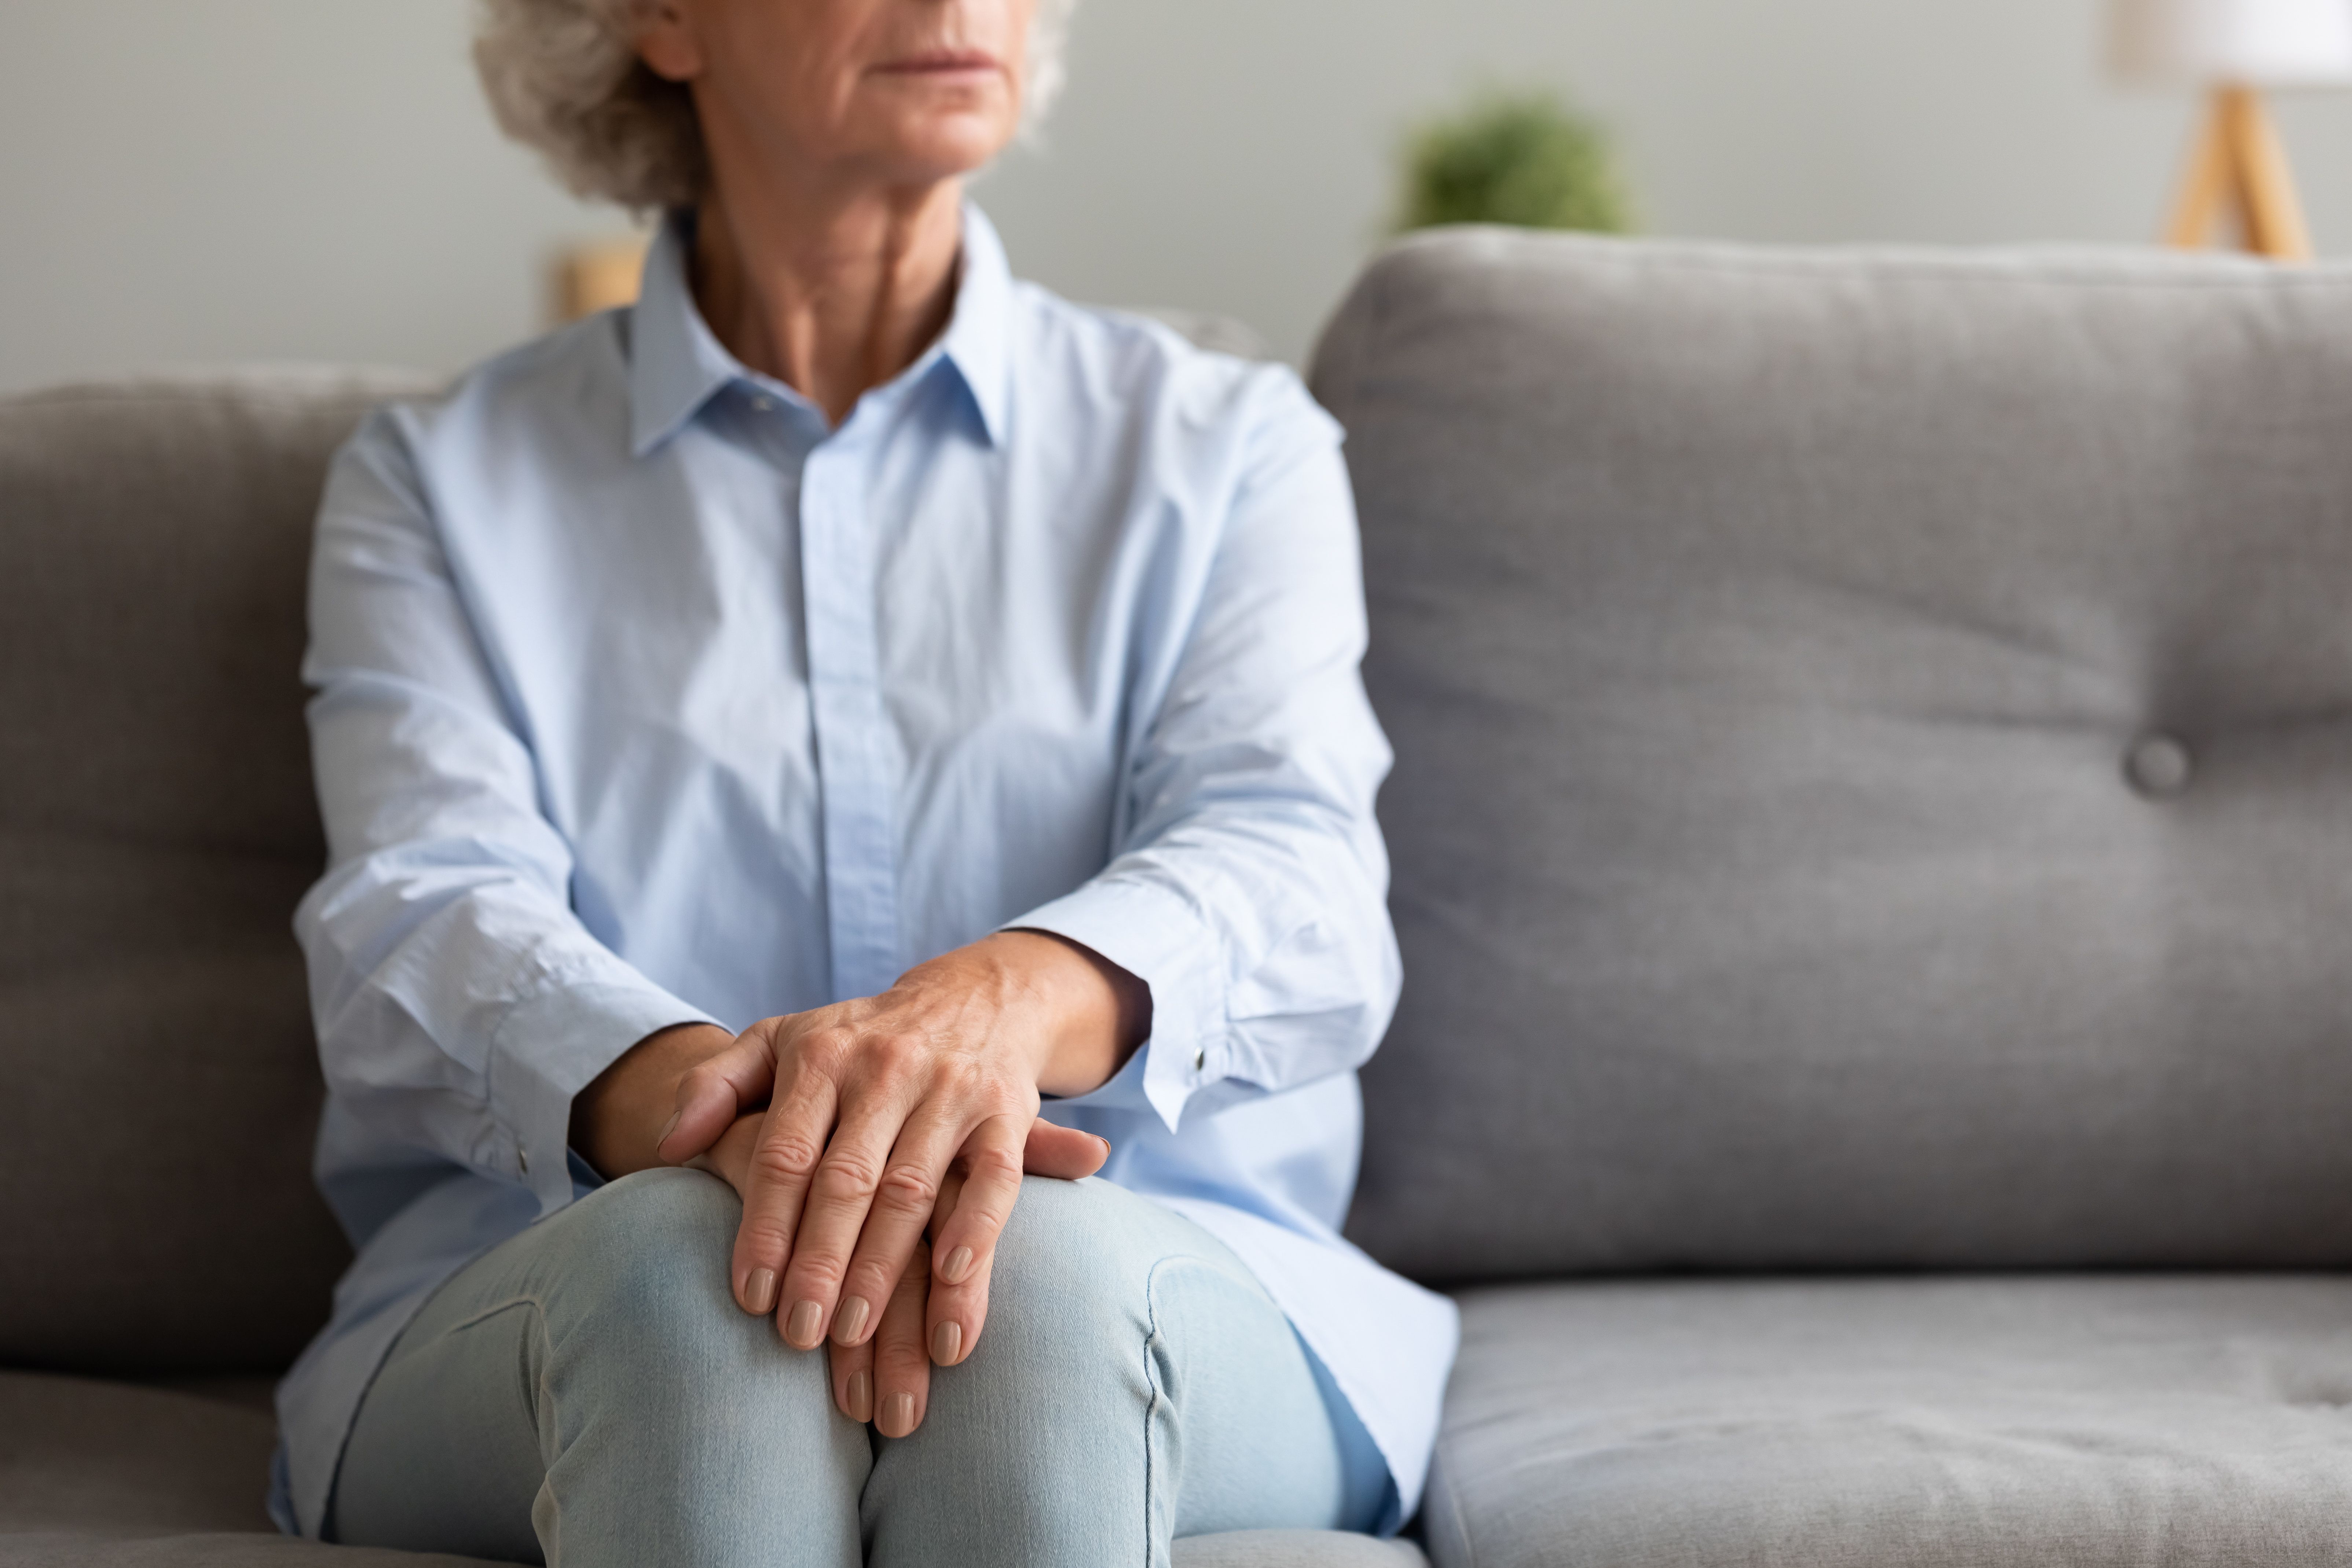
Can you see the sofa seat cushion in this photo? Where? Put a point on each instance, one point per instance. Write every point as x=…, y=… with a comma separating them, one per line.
x=114, y=1475
x=1295, y=1549
x=242, y=1549
x=79, y=1454
x=1240, y=1549
x=2097, y=1421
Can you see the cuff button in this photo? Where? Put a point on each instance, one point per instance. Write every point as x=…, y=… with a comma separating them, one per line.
x=1201, y=1059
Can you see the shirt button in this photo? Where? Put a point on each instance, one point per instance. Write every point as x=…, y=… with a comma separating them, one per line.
x=2159, y=767
x=765, y=404
x=522, y=1158
x=1200, y=1059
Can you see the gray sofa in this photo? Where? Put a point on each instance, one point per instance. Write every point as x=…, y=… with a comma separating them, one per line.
x=1872, y=831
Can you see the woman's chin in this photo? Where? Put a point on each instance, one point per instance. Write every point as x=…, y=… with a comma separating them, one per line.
x=944, y=148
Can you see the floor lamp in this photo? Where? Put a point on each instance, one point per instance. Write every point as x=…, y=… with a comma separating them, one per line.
x=2235, y=49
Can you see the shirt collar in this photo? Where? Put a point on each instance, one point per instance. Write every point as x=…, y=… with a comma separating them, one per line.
x=979, y=339
x=678, y=364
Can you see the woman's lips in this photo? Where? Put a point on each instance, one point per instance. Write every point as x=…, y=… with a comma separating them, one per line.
x=943, y=62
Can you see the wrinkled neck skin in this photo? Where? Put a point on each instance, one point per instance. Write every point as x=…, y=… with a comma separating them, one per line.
x=831, y=286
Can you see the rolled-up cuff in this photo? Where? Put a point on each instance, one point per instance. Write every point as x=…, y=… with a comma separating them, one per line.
x=546, y=1050
x=1155, y=936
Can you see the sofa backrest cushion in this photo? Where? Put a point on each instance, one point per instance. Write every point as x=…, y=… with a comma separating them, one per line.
x=158, y=1084
x=1874, y=756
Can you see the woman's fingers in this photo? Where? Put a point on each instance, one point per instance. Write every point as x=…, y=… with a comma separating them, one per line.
x=902, y=1372
x=963, y=1247
x=865, y=1211
x=853, y=1380
x=783, y=1164
x=1063, y=1152
x=858, y=1234
x=974, y=1200
x=729, y=1159
x=713, y=1094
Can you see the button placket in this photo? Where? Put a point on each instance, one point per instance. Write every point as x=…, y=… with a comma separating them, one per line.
x=854, y=763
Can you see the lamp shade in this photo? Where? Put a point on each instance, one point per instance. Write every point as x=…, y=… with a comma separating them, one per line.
x=2256, y=43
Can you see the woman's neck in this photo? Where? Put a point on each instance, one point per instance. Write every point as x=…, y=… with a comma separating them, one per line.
x=832, y=294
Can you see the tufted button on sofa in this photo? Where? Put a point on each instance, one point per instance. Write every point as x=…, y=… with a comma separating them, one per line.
x=1873, y=854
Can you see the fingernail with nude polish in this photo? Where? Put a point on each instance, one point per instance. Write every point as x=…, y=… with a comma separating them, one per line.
x=861, y=1397
x=759, y=1292
x=1105, y=1143
x=946, y=1340
x=898, y=1415
x=802, y=1328
x=667, y=1128
x=850, y=1321
x=958, y=1267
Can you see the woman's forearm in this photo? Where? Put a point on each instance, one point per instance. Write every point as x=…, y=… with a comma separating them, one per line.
x=1099, y=1013
x=617, y=1121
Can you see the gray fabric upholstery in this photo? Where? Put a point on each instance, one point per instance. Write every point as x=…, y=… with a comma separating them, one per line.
x=2097, y=1423
x=212, y=1550
x=1241, y=1549
x=1295, y=1549
x=158, y=1086
x=77, y=1454
x=1784, y=655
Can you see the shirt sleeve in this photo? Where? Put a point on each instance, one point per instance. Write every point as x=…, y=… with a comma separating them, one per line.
x=460, y=1003
x=1249, y=890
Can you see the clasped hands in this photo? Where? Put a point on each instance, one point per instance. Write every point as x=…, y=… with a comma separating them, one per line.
x=878, y=1145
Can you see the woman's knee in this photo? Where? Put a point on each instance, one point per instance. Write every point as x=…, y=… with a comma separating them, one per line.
x=1071, y=1292
x=1054, y=1403
x=636, y=1275
x=1151, y=1339
x=1074, y=1262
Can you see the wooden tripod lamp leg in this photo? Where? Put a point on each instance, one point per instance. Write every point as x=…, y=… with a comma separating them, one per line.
x=2266, y=181
x=2206, y=185
x=2240, y=164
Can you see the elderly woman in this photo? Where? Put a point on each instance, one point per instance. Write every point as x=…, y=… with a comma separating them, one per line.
x=856, y=727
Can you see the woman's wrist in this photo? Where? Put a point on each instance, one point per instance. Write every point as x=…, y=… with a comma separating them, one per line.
x=618, y=1119
x=1095, y=1014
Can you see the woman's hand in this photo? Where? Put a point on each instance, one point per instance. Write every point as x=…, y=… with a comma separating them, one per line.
x=886, y=1378
x=869, y=1105
x=617, y=1121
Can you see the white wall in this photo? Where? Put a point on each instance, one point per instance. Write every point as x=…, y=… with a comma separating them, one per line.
x=206, y=179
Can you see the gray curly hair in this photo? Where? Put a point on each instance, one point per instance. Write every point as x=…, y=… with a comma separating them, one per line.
x=563, y=77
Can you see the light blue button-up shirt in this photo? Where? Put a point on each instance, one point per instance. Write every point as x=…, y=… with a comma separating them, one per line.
x=642, y=698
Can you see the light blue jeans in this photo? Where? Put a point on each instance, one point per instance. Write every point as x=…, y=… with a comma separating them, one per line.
x=589, y=1394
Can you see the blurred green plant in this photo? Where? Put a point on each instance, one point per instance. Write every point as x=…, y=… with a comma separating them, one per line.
x=1522, y=158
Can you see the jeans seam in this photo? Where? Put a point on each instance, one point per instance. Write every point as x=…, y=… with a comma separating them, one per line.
x=1151, y=1477
x=537, y=1397
x=471, y=1320
x=504, y=1303
x=1153, y=1481
x=544, y=1399
x=532, y=1401
x=474, y=1320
